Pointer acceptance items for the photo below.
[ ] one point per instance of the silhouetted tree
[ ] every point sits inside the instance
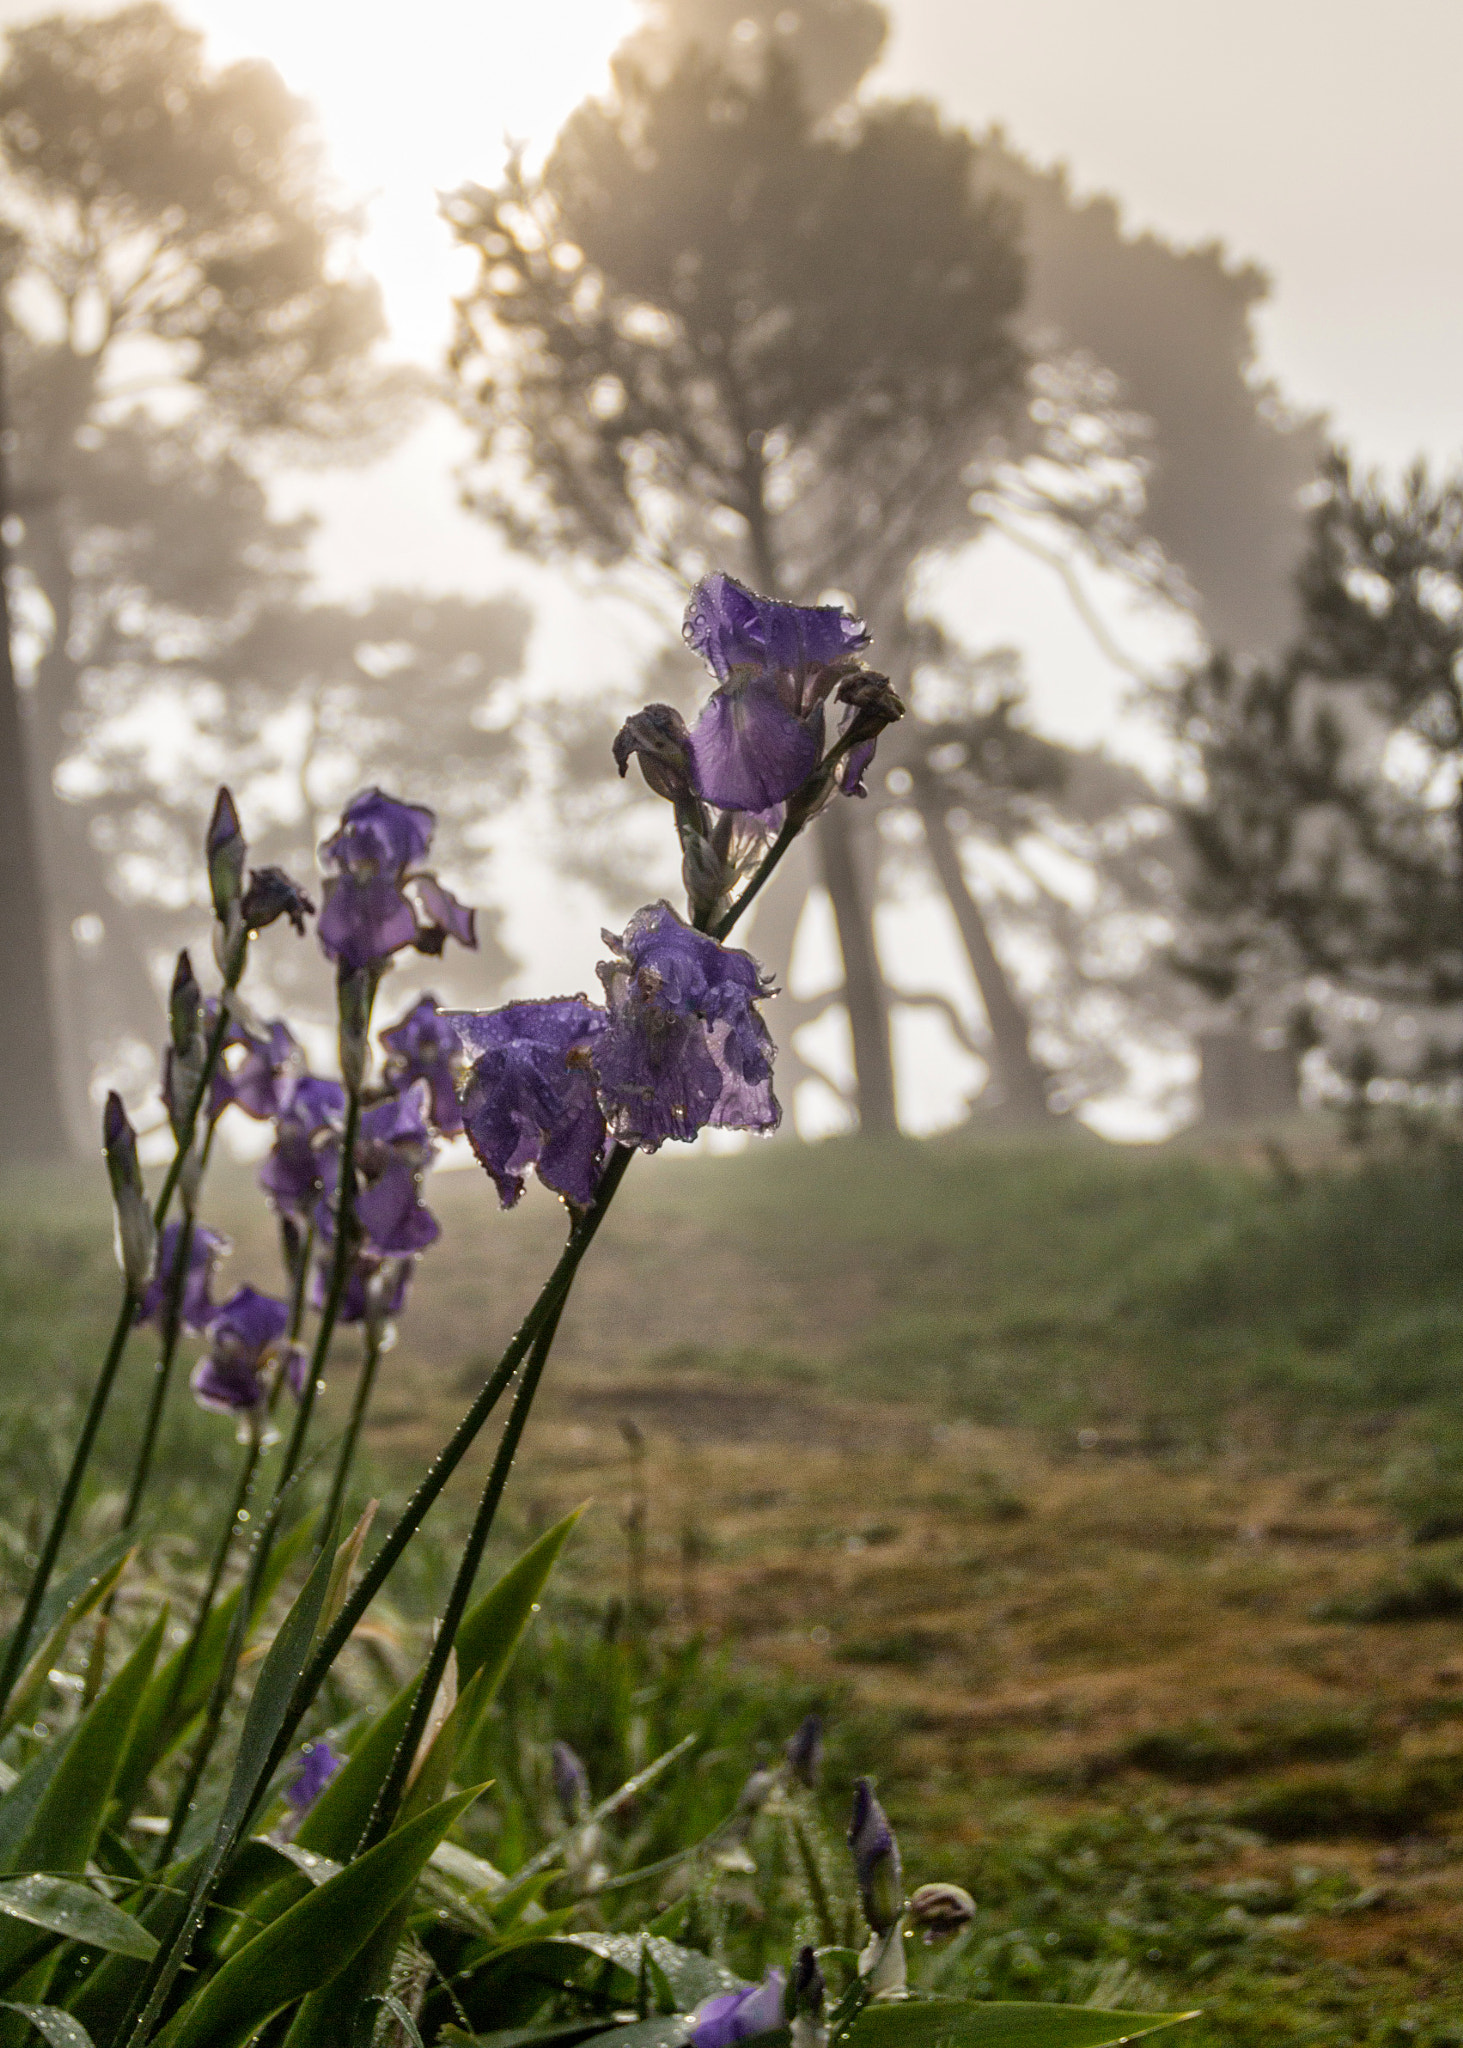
(203, 660)
(1141, 438)
(712, 330)
(173, 243)
(1329, 836)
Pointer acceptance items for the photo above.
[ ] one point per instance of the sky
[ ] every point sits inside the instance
(1317, 138)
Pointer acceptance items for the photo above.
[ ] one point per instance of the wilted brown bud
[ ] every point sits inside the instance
(940, 1910)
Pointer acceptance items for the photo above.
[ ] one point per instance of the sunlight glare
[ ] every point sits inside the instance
(415, 101)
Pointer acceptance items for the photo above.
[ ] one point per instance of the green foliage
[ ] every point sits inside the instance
(945, 2024)
(1202, 1754)
(1377, 1805)
(77, 1912)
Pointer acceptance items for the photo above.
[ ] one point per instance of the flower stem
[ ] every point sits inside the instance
(542, 1318)
(550, 1299)
(242, 1489)
(20, 1636)
(347, 1453)
(388, 1800)
(340, 1264)
(172, 1331)
(213, 1053)
(24, 1628)
(223, 1684)
(549, 1305)
(269, 1527)
(723, 925)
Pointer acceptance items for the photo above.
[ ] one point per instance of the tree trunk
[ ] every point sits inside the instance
(1021, 1081)
(770, 935)
(864, 992)
(32, 1119)
(107, 993)
(865, 996)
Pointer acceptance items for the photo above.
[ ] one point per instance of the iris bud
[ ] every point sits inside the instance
(803, 2002)
(875, 1859)
(571, 1782)
(227, 854)
(183, 1005)
(136, 1240)
(355, 988)
(804, 1752)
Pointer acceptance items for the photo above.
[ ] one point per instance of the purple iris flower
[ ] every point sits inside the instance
(259, 1082)
(306, 1144)
(424, 1047)
(685, 1046)
(737, 2015)
(529, 1099)
(205, 1248)
(229, 1376)
(367, 914)
(393, 1145)
(760, 735)
(375, 1289)
(318, 1765)
(571, 1781)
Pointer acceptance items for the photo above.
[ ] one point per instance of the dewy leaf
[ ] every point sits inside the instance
(319, 1869)
(77, 1912)
(95, 1589)
(269, 1702)
(954, 2023)
(665, 2033)
(312, 1943)
(558, 2034)
(65, 1593)
(67, 1821)
(263, 1719)
(57, 2028)
(490, 1633)
(166, 1709)
(475, 1874)
(403, 2019)
(50, 1821)
(690, 1975)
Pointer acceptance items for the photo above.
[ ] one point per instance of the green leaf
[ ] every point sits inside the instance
(54, 2026)
(165, 1713)
(955, 2023)
(269, 1702)
(318, 1869)
(264, 1717)
(100, 2001)
(67, 1593)
(477, 1877)
(566, 2033)
(67, 1820)
(486, 1641)
(662, 2033)
(403, 2019)
(31, 1682)
(314, 1941)
(76, 1911)
(689, 1975)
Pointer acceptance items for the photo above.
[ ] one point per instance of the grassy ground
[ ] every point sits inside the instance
(1083, 1484)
